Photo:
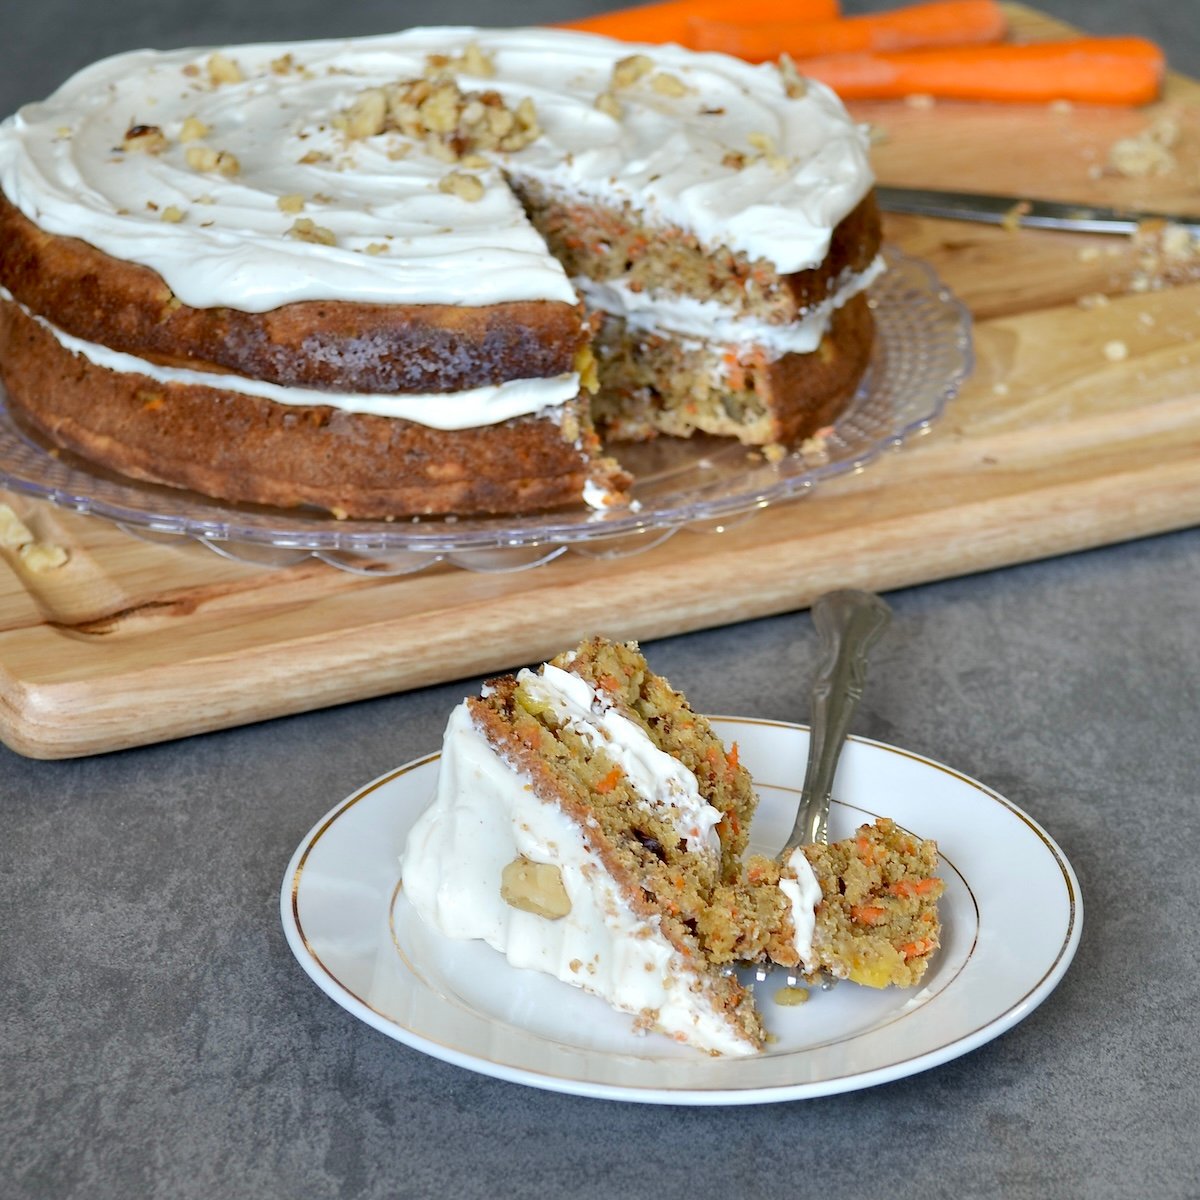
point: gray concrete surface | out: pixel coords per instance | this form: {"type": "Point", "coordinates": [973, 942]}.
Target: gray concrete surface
{"type": "Point", "coordinates": [158, 1039]}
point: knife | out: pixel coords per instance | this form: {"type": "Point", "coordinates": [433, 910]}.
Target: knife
{"type": "Point", "coordinates": [1021, 210]}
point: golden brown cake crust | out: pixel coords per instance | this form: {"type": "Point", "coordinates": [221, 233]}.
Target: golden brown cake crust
{"type": "Point", "coordinates": [336, 345]}
{"type": "Point", "coordinates": [244, 448]}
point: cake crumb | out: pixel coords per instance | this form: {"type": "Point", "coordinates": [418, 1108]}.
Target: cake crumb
{"type": "Point", "coordinates": [1011, 221]}
{"type": "Point", "coordinates": [791, 997]}
{"type": "Point", "coordinates": [291, 203]}
{"type": "Point", "coordinates": [172, 214]}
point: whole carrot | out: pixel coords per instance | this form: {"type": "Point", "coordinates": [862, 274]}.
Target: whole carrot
{"type": "Point", "coordinates": [936, 23]}
{"type": "Point", "coordinates": [668, 21]}
{"type": "Point", "coordinates": [1089, 70]}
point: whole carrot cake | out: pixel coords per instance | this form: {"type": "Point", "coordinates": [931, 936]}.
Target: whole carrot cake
{"type": "Point", "coordinates": [424, 273]}
{"type": "Point", "coordinates": [588, 823]}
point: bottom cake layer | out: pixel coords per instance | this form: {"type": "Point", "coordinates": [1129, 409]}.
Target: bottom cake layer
{"type": "Point", "coordinates": [193, 431]}
{"type": "Point", "coordinates": [247, 448]}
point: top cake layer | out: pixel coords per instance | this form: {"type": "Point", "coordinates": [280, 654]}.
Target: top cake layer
{"type": "Point", "coordinates": [195, 165]}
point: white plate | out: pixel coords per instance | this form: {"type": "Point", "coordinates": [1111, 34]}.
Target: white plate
{"type": "Point", "coordinates": [1011, 922]}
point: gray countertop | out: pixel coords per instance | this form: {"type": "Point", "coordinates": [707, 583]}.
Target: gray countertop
{"type": "Point", "coordinates": [159, 1040]}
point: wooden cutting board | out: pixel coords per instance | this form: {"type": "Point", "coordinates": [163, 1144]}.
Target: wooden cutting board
{"type": "Point", "coordinates": [1079, 427]}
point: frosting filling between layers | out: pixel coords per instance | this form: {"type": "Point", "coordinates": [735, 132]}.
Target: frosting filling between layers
{"type": "Point", "coordinates": [483, 816]}
{"type": "Point", "coordinates": [709, 321]}
{"type": "Point", "coordinates": [663, 784]}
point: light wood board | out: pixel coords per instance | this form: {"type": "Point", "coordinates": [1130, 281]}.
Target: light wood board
{"type": "Point", "coordinates": [1057, 443]}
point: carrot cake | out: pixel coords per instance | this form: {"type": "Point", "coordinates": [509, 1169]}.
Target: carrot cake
{"type": "Point", "coordinates": [421, 273]}
{"type": "Point", "coordinates": [589, 824]}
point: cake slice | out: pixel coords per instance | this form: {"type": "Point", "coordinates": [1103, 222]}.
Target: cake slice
{"type": "Point", "coordinates": [584, 816]}
{"type": "Point", "coordinates": [589, 824]}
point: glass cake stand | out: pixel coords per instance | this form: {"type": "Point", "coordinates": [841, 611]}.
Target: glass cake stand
{"type": "Point", "coordinates": [921, 356]}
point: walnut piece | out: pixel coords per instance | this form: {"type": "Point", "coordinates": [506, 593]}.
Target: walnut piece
{"type": "Point", "coordinates": [459, 183]}
{"type": "Point", "coordinates": [627, 71]}
{"type": "Point", "coordinates": [452, 124]}
{"type": "Point", "coordinates": [535, 888]}
{"type": "Point", "coordinates": [144, 139]}
{"type": "Point", "coordinates": [223, 69]}
{"type": "Point", "coordinates": [205, 158]}
{"type": "Point", "coordinates": [306, 230]}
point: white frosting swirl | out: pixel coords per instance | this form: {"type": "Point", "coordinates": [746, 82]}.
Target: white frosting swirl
{"type": "Point", "coordinates": [60, 163]}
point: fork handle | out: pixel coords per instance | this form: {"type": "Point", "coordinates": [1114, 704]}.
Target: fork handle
{"type": "Point", "coordinates": [849, 622]}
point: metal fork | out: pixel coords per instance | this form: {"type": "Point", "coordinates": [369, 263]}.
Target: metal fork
{"type": "Point", "coordinates": [849, 622]}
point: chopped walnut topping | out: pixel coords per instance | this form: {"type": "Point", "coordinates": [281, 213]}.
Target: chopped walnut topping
{"type": "Point", "coordinates": [459, 183]}
{"type": "Point", "coordinates": [666, 84]}
{"type": "Point", "coordinates": [307, 230]}
{"type": "Point", "coordinates": [285, 64]}
{"type": "Point", "coordinates": [172, 214]}
{"type": "Point", "coordinates": [764, 143]}
{"type": "Point", "coordinates": [472, 61]}
{"type": "Point", "coordinates": [608, 104]}
{"type": "Point", "coordinates": [193, 130]}
{"type": "Point", "coordinates": [291, 203]}
{"type": "Point", "coordinates": [144, 139]}
{"type": "Point", "coordinates": [627, 71]}
{"type": "Point", "coordinates": [223, 69]}
{"type": "Point", "coordinates": [734, 159]}
{"type": "Point", "coordinates": [536, 888]}
{"type": "Point", "coordinates": [453, 124]}
{"type": "Point", "coordinates": [205, 158]}
{"type": "Point", "coordinates": [795, 86]}
{"type": "Point", "coordinates": [376, 248]}
{"type": "Point", "coordinates": [367, 116]}
{"type": "Point", "coordinates": [313, 157]}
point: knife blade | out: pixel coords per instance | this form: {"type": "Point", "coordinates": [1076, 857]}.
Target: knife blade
{"type": "Point", "coordinates": [1021, 210]}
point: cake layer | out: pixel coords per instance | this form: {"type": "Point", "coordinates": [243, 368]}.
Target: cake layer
{"type": "Point", "coordinates": [623, 246]}
{"type": "Point", "coordinates": [654, 383]}
{"type": "Point", "coordinates": [240, 447]}
{"type": "Point", "coordinates": [336, 345]}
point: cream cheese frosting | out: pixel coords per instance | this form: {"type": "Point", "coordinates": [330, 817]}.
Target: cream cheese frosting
{"type": "Point", "coordinates": [803, 892]}
{"type": "Point", "coordinates": [484, 815]}
{"type": "Point", "coordinates": [396, 237]}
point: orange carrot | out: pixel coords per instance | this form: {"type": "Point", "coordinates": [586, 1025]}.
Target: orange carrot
{"type": "Point", "coordinates": [867, 914]}
{"type": "Point", "coordinates": [913, 887]}
{"type": "Point", "coordinates": [668, 21]}
{"type": "Point", "coordinates": [610, 781]}
{"type": "Point", "coordinates": [1090, 70]}
{"type": "Point", "coordinates": [917, 948]}
{"type": "Point", "coordinates": [937, 23]}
